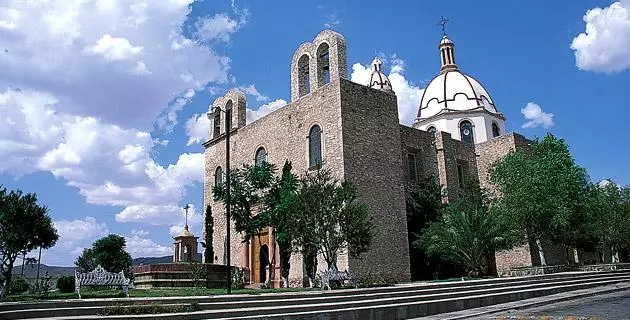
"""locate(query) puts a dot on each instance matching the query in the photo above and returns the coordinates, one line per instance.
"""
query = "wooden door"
(257, 242)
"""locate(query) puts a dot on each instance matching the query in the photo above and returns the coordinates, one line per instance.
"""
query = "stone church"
(355, 129)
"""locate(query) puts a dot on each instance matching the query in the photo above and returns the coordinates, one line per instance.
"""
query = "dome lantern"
(378, 79)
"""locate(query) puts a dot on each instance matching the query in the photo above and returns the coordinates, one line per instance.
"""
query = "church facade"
(355, 130)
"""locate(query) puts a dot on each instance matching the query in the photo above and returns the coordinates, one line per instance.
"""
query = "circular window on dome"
(466, 131)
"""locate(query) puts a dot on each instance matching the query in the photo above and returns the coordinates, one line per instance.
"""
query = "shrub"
(18, 285)
(66, 284)
(149, 309)
(238, 279)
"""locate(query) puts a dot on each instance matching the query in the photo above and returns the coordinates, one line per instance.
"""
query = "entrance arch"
(264, 262)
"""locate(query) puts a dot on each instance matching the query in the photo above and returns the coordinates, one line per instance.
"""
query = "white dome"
(454, 91)
(378, 79)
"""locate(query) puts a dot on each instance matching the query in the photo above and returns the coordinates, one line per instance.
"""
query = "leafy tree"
(468, 232)
(86, 262)
(209, 224)
(281, 215)
(24, 226)
(248, 188)
(331, 216)
(543, 191)
(611, 226)
(108, 252)
(424, 205)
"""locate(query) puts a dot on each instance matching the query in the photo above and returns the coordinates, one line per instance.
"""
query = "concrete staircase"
(396, 302)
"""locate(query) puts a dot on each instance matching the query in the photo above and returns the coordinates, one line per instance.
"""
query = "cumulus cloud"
(605, 44)
(252, 91)
(407, 94)
(265, 109)
(138, 247)
(536, 117)
(121, 61)
(109, 165)
(197, 128)
(79, 231)
(219, 27)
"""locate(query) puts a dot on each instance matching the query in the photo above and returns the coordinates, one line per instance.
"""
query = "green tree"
(280, 214)
(424, 205)
(611, 226)
(209, 225)
(108, 252)
(86, 262)
(248, 189)
(24, 226)
(332, 217)
(468, 232)
(543, 191)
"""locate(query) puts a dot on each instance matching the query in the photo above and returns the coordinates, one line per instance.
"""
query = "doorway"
(264, 262)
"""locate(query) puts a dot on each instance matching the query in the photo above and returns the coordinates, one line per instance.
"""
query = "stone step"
(362, 297)
(364, 309)
(409, 287)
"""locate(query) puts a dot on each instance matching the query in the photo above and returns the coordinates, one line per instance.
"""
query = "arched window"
(432, 130)
(323, 64)
(495, 130)
(315, 147)
(466, 131)
(304, 78)
(218, 177)
(261, 156)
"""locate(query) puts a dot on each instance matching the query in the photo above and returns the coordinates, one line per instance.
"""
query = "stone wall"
(372, 160)
(283, 134)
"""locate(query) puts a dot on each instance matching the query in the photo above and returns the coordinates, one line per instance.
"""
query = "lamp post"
(228, 120)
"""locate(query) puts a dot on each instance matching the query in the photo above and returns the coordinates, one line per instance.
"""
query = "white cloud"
(407, 94)
(114, 49)
(332, 20)
(197, 129)
(605, 44)
(76, 232)
(108, 164)
(535, 116)
(219, 27)
(265, 109)
(120, 61)
(252, 91)
(140, 233)
(137, 246)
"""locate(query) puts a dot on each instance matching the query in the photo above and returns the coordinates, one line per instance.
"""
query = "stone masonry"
(362, 141)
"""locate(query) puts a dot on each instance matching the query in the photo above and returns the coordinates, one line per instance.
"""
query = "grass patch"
(149, 309)
(88, 293)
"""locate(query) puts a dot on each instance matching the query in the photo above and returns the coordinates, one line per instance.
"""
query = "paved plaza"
(614, 306)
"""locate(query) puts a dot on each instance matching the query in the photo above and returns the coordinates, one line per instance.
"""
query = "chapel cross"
(442, 25)
(186, 208)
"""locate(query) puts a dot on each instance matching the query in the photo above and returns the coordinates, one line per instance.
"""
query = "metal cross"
(442, 24)
(186, 208)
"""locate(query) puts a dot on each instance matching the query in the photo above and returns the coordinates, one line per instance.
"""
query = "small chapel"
(355, 130)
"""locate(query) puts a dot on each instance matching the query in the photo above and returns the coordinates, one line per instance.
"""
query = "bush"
(148, 309)
(238, 279)
(18, 285)
(65, 284)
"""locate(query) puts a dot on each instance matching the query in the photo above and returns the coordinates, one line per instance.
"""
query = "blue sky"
(102, 102)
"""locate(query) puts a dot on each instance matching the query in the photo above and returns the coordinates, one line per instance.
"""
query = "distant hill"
(30, 271)
(153, 260)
